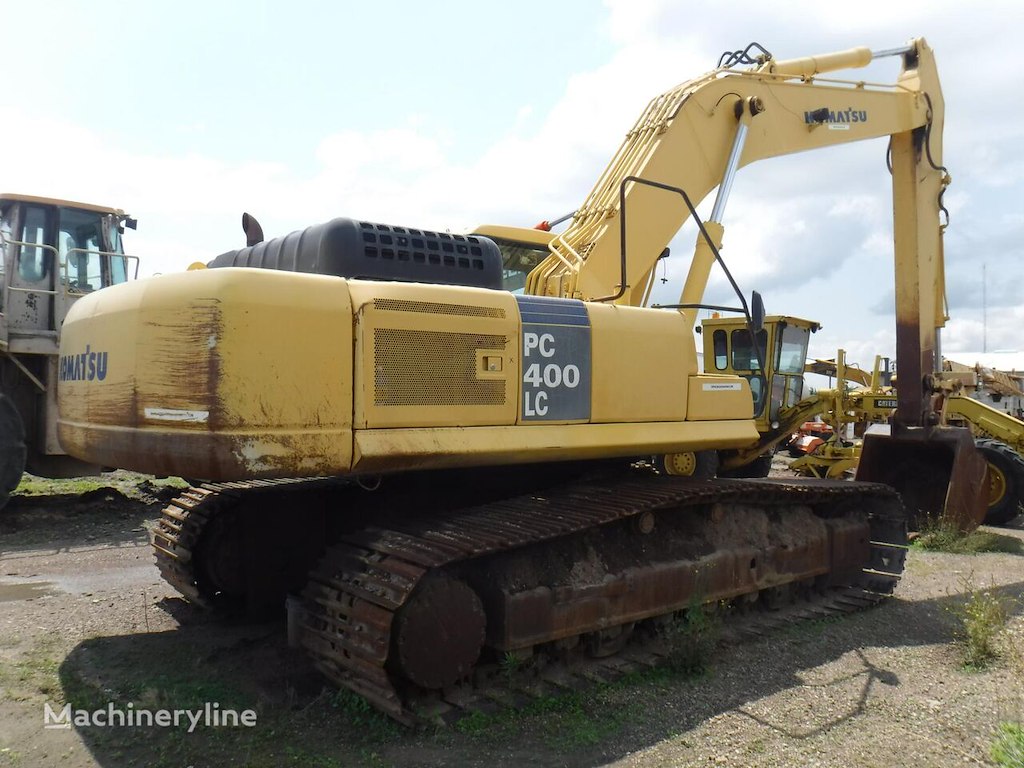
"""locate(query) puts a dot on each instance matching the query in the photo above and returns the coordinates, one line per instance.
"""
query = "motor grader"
(449, 472)
(728, 345)
(52, 253)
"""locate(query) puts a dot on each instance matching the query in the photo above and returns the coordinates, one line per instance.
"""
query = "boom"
(694, 138)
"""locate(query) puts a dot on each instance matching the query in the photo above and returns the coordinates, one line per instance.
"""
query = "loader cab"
(521, 250)
(782, 341)
(53, 252)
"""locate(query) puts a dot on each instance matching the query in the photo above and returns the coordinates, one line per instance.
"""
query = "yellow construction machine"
(858, 399)
(52, 253)
(450, 472)
(1000, 439)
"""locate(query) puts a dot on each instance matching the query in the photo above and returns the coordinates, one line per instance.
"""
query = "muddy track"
(368, 608)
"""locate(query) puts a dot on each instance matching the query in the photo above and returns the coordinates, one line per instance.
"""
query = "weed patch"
(1008, 748)
(691, 640)
(941, 537)
(357, 712)
(981, 618)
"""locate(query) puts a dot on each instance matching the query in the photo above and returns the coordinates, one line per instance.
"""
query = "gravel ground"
(82, 603)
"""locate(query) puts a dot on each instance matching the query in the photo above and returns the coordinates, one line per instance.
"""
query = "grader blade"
(937, 471)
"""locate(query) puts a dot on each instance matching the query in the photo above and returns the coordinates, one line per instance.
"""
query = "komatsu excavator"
(52, 253)
(450, 472)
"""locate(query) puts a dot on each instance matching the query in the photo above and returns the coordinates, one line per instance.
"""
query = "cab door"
(32, 276)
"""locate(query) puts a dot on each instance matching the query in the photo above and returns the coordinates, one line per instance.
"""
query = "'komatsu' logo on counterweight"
(88, 366)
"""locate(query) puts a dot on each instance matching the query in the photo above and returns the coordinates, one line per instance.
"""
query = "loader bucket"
(937, 471)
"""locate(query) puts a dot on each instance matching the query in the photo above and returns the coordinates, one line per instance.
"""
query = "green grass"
(574, 719)
(942, 538)
(33, 674)
(1008, 748)
(334, 729)
(692, 638)
(375, 726)
(981, 620)
(127, 483)
(39, 486)
(579, 719)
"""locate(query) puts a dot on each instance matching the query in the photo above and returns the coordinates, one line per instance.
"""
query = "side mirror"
(757, 311)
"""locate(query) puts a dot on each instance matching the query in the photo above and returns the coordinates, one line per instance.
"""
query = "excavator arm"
(694, 138)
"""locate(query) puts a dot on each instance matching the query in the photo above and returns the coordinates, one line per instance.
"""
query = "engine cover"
(361, 249)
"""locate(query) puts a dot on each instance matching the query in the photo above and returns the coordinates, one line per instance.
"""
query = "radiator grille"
(437, 308)
(433, 368)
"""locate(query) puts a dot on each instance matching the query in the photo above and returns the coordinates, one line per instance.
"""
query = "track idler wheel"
(12, 448)
(438, 633)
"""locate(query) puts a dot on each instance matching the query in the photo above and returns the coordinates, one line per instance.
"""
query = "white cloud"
(813, 230)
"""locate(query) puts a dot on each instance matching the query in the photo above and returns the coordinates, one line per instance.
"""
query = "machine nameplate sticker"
(887, 403)
(176, 414)
(722, 386)
(555, 359)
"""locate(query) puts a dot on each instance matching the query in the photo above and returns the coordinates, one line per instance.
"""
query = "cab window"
(33, 261)
(518, 260)
(743, 356)
(79, 242)
(793, 349)
(721, 351)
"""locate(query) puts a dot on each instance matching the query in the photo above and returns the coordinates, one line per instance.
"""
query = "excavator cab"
(521, 251)
(782, 342)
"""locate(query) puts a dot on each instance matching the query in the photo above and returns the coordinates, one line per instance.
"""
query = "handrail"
(114, 254)
(8, 288)
(63, 263)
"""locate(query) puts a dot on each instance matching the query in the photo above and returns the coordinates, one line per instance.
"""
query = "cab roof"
(14, 197)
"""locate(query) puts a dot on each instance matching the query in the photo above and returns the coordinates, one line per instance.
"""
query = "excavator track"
(206, 575)
(393, 609)
(400, 612)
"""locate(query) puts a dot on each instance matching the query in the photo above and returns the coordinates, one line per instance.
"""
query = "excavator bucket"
(937, 471)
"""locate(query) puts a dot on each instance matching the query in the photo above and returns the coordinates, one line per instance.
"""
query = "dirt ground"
(85, 619)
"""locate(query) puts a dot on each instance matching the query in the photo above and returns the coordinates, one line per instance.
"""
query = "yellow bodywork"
(245, 373)
(234, 373)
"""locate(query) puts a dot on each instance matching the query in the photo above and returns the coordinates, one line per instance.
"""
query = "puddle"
(27, 591)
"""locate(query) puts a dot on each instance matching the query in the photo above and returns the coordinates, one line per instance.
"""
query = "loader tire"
(1005, 481)
(12, 448)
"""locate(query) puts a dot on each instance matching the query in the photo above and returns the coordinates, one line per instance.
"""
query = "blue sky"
(448, 114)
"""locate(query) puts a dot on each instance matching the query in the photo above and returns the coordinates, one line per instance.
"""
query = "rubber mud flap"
(12, 448)
(937, 471)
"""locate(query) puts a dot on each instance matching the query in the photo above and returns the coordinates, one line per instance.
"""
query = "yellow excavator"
(52, 253)
(450, 472)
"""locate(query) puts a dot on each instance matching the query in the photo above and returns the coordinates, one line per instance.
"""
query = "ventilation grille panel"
(433, 367)
(437, 308)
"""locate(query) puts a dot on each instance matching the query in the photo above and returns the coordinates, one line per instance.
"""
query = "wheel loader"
(52, 253)
(442, 471)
